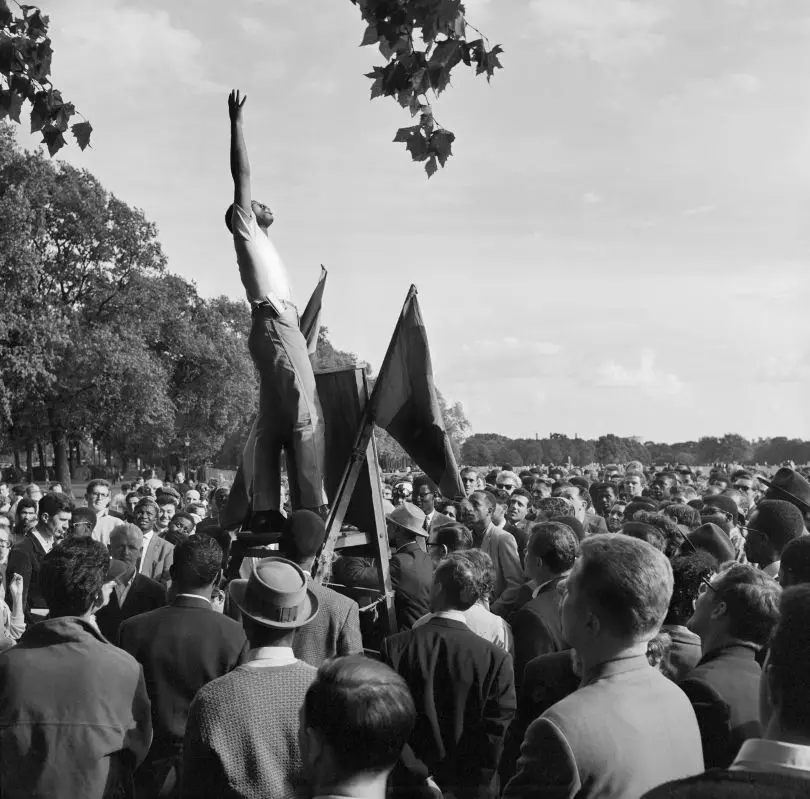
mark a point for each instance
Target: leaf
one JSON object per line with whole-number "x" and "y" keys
{"x": 403, "y": 134}
{"x": 417, "y": 147}
{"x": 441, "y": 143}
{"x": 15, "y": 106}
{"x": 81, "y": 131}
{"x": 54, "y": 139}
{"x": 430, "y": 166}
{"x": 370, "y": 36}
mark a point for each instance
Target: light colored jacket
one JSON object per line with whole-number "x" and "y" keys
{"x": 501, "y": 546}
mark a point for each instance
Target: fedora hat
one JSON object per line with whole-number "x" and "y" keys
{"x": 410, "y": 517}
{"x": 275, "y": 595}
{"x": 713, "y": 540}
{"x": 787, "y": 483}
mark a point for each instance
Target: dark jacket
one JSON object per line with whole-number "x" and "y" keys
{"x": 626, "y": 730}
{"x": 594, "y": 524}
{"x": 720, "y": 784}
{"x": 463, "y": 687}
{"x": 724, "y": 691}
{"x": 74, "y": 714}
{"x": 25, "y": 559}
{"x": 511, "y": 601}
{"x": 143, "y": 595}
{"x": 334, "y": 631}
{"x": 537, "y": 628}
{"x": 411, "y": 578}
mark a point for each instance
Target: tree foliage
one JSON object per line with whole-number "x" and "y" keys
{"x": 25, "y": 77}
{"x": 422, "y": 42}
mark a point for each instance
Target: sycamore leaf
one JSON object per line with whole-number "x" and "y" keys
{"x": 430, "y": 166}
{"x": 403, "y": 134}
{"x": 54, "y": 139}
{"x": 15, "y": 106}
{"x": 417, "y": 147}
{"x": 82, "y": 131}
{"x": 441, "y": 143}
{"x": 370, "y": 36}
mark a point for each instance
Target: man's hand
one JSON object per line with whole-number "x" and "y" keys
{"x": 236, "y": 101}
{"x": 15, "y": 587}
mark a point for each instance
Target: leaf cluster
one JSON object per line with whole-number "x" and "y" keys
{"x": 25, "y": 69}
{"x": 422, "y": 41}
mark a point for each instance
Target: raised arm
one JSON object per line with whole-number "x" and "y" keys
{"x": 240, "y": 166}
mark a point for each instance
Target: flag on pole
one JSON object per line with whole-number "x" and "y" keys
{"x": 310, "y": 322}
{"x": 404, "y": 401}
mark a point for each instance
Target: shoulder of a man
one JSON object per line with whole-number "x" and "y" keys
{"x": 243, "y": 223}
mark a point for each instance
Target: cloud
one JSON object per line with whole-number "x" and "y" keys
{"x": 699, "y": 210}
{"x": 746, "y": 83}
{"x": 591, "y": 198}
{"x": 645, "y": 377}
{"x": 607, "y": 31}
{"x": 122, "y": 46}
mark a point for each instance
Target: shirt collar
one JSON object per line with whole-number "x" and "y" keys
{"x": 451, "y": 615}
{"x": 758, "y": 754}
{"x": 772, "y": 569}
{"x": 44, "y": 542}
{"x": 542, "y": 587}
{"x": 195, "y": 596}
{"x": 265, "y": 656}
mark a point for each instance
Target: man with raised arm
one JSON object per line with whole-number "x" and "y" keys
{"x": 289, "y": 415}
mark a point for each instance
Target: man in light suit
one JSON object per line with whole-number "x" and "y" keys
{"x": 424, "y": 497}
{"x": 156, "y": 560}
{"x": 628, "y": 728}
{"x": 497, "y": 543}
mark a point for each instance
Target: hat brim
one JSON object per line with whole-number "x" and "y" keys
{"x": 309, "y": 606}
{"x": 784, "y": 491}
{"x": 421, "y": 531}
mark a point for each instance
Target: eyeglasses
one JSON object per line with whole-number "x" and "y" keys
{"x": 99, "y": 494}
{"x": 506, "y": 486}
{"x": 705, "y": 585}
{"x": 752, "y": 530}
{"x": 80, "y": 523}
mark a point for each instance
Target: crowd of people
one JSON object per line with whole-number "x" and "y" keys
{"x": 616, "y": 632}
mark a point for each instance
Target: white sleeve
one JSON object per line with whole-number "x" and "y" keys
{"x": 243, "y": 223}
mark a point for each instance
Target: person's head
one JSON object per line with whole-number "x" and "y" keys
{"x": 721, "y": 510}
{"x": 126, "y": 544}
{"x": 403, "y": 492}
{"x": 190, "y": 496}
{"x": 685, "y": 515}
{"x": 5, "y": 493}
{"x": 132, "y": 499}
{"x": 167, "y": 507}
{"x": 500, "y": 499}
{"x": 73, "y": 576}
{"x": 639, "y": 505}
{"x": 477, "y": 510}
{"x": 146, "y": 514}
{"x": 794, "y": 566}
{"x": 469, "y": 480}
{"x": 454, "y": 584}
{"x": 616, "y": 596}
{"x": 738, "y": 604}
{"x": 615, "y": 517}
{"x": 688, "y": 572}
{"x": 784, "y": 704}
{"x": 356, "y": 718}
{"x": 82, "y": 522}
{"x": 56, "y": 488}
{"x": 424, "y": 495}
{"x": 196, "y": 565}
{"x": 264, "y": 219}
{"x": 302, "y": 536}
{"x": 550, "y": 507}
{"x": 539, "y": 489}
{"x": 26, "y": 515}
{"x": 55, "y": 511}
{"x": 6, "y": 539}
{"x": 575, "y": 525}
{"x": 406, "y": 523}
{"x": 632, "y": 485}
{"x": 219, "y": 501}
{"x": 551, "y": 551}
{"x": 673, "y": 537}
{"x": 181, "y": 526}
{"x": 772, "y": 526}
{"x": 485, "y": 578}
{"x": 718, "y": 482}
{"x": 573, "y": 493}
{"x": 33, "y": 491}
{"x": 507, "y": 481}
{"x": 449, "y": 538}
{"x": 98, "y": 496}
{"x": 662, "y": 486}
{"x": 450, "y": 508}
{"x": 644, "y": 531}
{"x": 180, "y": 477}
{"x": 518, "y": 507}
{"x": 603, "y": 495}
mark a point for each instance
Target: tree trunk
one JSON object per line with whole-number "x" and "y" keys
{"x": 78, "y": 453}
{"x": 29, "y": 462}
{"x": 41, "y": 455}
{"x": 17, "y": 464}
{"x": 60, "y": 459}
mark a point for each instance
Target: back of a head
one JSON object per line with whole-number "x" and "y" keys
{"x": 683, "y": 514}
{"x": 781, "y": 521}
{"x": 673, "y": 537}
{"x": 688, "y": 572}
{"x": 628, "y": 584}
{"x": 302, "y": 536}
{"x": 556, "y": 544}
{"x": 363, "y": 710}
{"x": 456, "y": 537}
{"x": 572, "y": 523}
{"x": 795, "y": 563}
{"x": 72, "y": 575}
{"x": 646, "y": 532}
{"x": 53, "y": 504}
{"x": 789, "y": 662}
{"x": 197, "y": 562}
{"x": 85, "y": 515}
{"x": 459, "y": 580}
{"x": 638, "y": 504}
{"x": 484, "y": 572}
{"x": 752, "y": 602}
{"x": 555, "y": 506}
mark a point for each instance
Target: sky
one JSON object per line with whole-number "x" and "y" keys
{"x": 618, "y": 244}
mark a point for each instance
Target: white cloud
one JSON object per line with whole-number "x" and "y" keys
{"x": 602, "y": 30}
{"x": 591, "y": 198}
{"x": 746, "y": 83}
{"x": 645, "y": 377}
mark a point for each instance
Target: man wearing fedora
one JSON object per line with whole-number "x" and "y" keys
{"x": 788, "y": 485}
{"x": 242, "y": 734}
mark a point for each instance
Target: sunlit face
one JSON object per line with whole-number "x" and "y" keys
{"x": 33, "y": 492}
{"x": 126, "y": 547}
{"x": 4, "y": 492}
{"x": 28, "y": 517}
{"x": 387, "y": 492}
{"x": 469, "y": 480}
{"x": 632, "y": 486}
{"x": 165, "y": 513}
{"x": 146, "y": 517}
{"x": 450, "y": 511}
{"x": 507, "y": 484}
{"x": 263, "y": 214}
{"x": 98, "y": 499}
{"x": 476, "y": 511}
{"x": 5, "y": 541}
{"x": 615, "y": 518}
{"x": 59, "y": 524}
{"x": 517, "y": 509}
{"x": 573, "y": 496}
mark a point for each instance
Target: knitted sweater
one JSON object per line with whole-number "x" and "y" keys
{"x": 242, "y": 734}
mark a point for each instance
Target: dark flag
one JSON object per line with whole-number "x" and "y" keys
{"x": 404, "y": 401}
{"x": 310, "y": 322}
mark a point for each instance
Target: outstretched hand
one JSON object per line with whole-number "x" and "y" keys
{"x": 236, "y": 101}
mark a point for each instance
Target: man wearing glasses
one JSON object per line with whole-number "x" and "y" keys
{"x": 424, "y": 495}
{"x": 507, "y": 481}
{"x": 98, "y": 500}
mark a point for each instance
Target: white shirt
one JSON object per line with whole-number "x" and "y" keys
{"x": 772, "y": 569}
{"x": 758, "y": 754}
{"x": 263, "y": 273}
{"x": 104, "y": 526}
{"x": 480, "y": 621}
{"x": 147, "y": 537}
{"x": 265, "y": 656}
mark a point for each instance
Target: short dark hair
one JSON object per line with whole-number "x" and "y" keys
{"x": 673, "y": 537}
{"x": 469, "y": 470}
{"x": 521, "y": 492}
{"x": 229, "y": 217}
{"x": 789, "y": 659}
{"x": 23, "y": 504}
{"x": 688, "y": 572}
{"x": 53, "y": 504}
{"x": 752, "y": 602}
{"x": 458, "y": 579}
{"x": 456, "y": 537}
{"x": 556, "y": 544}
{"x": 302, "y": 535}
{"x": 197, "y": 561}
{"x": 96, "y": 483}
{"x": 571, "y": 522}
{"x": 796, "y": 559}
{"x": 72, "y": 575}
{"x": 488, "y": 496}
{"x": 627, "y": 583}
{"x": 683, "y": 514}
{"x": 500, "y": 497}
{"x": 165, "y": 498}
{"x": 642, "y": 531}
{"x": 484, "y": 572}
{"x": 597, "y": 488}
{"x": 85, "y": 514}
{"x": 554, "y": 506}
{"x": 364, "y": 710}
{"x": 781, "y": 521}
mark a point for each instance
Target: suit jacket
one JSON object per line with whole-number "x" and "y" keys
{"x": 181, "y": 647}
{"x": 502, "y": 548}
{"x": 594, "y": 524}
{"x": 625, "y": 731}
{"x": 411, "y": 578}
{"x": 512, "y": 600}
{"x": 546, "y": 680}
{"x": 157, "y": 559}
{"x": 520, "y": 532}
{"x": 26, "y": 559}
{"x": 335, "y": 631}
{"x": 537, "y": 627}
{"x": 464, "y": 691}
{"x": 724, "y": 691}
{"x": 720, "y": 784}
{"x": 144, "y": 595}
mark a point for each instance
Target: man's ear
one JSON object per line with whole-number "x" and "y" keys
{"x": 720, "y": 609}
{"x": 43, "y": 517}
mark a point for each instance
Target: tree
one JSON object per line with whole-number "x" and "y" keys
{"x": 25, "y": 76}
{"x": 412, "y": 72}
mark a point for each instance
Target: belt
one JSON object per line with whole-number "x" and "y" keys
{"x": 265, "y": 307}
